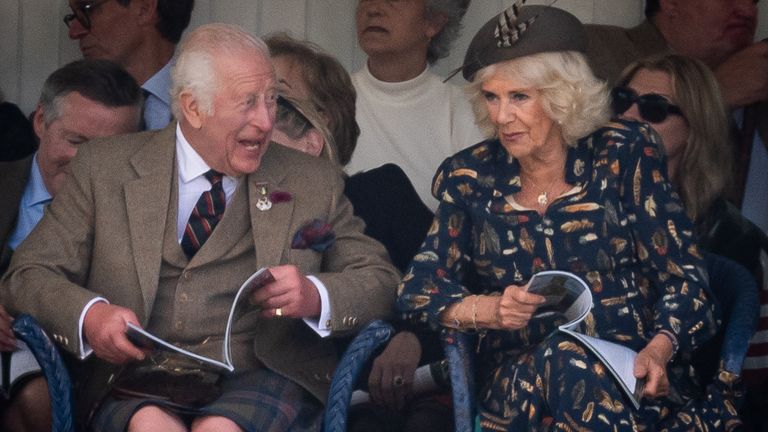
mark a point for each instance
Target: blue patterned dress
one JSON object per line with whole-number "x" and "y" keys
{"x": 621, "y": 228}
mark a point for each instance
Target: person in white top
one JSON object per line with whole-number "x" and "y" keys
{"x": 407, "y": 115}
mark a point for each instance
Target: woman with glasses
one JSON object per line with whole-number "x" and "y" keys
{"x": 680, "y": 98}
{"x": 558, "y": 186}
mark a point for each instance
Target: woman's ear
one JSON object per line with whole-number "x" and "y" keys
{"x": 435, "y": 24}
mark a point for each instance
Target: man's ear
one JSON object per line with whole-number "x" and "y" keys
{"x": 146, "y": 11}
{"x": 190, "y": 110}
{"x": 38, "y": 123}
{"x": 314, "y": 142}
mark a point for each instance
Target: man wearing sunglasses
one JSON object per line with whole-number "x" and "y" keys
{"x": 721, "y": 34}
{"x": 140, "y": 35}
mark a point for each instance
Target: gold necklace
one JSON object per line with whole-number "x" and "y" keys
{"x": 543, "y": 197}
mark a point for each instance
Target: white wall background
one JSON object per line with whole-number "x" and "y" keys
{"x": 33, "y": 38}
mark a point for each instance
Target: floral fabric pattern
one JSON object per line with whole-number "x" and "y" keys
{"x": 621, "y": 228}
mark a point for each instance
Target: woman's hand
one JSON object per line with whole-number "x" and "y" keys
{"x": 391, "y": 377}
{"x": 651, "y": 365}
{"x": 516, "y": 307}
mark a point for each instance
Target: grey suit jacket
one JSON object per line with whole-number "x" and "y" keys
{"x": 13, "y": 179}
{"x": 103, "y": 234}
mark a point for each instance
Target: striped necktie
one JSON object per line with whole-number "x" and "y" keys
{"x": 206, "y": 214}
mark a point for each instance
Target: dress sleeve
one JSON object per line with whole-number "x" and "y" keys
{"x": 432, "y": 281}
{"x": 665, "y": 244}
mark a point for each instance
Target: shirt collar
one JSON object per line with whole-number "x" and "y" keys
{"x": 35, "y": 192}
{"x": 191, "y": 164}
{"x": 160, "y": 83}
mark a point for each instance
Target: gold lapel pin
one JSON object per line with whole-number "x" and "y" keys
{"x": 263, "y": 203}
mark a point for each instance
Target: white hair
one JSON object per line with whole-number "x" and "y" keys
{"x": 572, "y": 96}
{"x": 194, "y": 70}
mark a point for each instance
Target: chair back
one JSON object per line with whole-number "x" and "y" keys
{"x": 351, "y": 364}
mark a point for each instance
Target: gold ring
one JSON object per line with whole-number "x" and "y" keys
{"x": 279, "y": 312}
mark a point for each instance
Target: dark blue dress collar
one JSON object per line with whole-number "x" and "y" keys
{"x": 578, "y": 169}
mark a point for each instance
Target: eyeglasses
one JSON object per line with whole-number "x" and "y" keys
{"x": 82, "y": 13}
{"x": 290, "y": 120}
{"x": 653, "y": 108}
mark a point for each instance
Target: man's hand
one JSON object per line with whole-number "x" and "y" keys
{"x": 743, "y": 76}
{"x": 7, "y": 339}
{"x": 391, "y": 378}
{"x": 104, "y": 328}
{"x": 651, "y": 365}
{"x": 290, "y": 295}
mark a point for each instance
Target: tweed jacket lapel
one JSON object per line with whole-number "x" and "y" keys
{"x": 12, "y": 183}
{"x": 147, "y": 198}
{"x": 270, "y": 227}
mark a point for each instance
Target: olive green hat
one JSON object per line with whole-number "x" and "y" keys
{"x": 520, "y": 31}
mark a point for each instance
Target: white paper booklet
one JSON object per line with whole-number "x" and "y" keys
{"x": 145, "y": 340}
{"x": 570, "y": 296}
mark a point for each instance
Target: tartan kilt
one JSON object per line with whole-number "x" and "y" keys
{"x": 257, "y": 401}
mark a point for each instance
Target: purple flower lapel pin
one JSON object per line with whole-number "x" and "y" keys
{"x": 267, "y": 198}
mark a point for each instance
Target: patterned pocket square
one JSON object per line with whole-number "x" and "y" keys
{"x": 316, "y": 234}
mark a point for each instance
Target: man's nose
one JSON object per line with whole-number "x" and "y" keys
{"x": 371, "y": 7}
{"x": 76, "y": 30}
{"x": 262, "y": 117}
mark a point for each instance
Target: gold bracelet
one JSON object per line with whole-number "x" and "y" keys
{"x": 456, "y": 322}
{"x": 474, "y": 312}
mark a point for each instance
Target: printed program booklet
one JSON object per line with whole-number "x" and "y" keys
{"x": 145, "y": 340}
{"x": 569, "y": 295}
{"x": 15, "y": 367}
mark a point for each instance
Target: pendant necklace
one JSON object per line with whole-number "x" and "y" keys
{"x": 543, "y": 197}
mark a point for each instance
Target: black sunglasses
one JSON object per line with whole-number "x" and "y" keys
{"x": 82, "y": 13}
{"x": 653, "y": 108}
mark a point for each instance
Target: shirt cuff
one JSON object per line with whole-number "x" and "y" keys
{"x": 85, "y": 348}
{"x": 322, "y": 325}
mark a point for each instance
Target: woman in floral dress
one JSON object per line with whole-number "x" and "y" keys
{"x": 558, "y": 186}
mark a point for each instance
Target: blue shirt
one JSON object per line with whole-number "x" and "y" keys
{"x": 755, "y": 205}
{"x": 33, "y": 202}
{"x": 157, "y": 106}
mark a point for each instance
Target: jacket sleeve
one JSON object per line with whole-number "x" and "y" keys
{"x": 432, "y": 281}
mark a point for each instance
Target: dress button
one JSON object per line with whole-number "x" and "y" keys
{"x": 179, "y": 325}
{"x": 187, "y": 275}
{"x": 184, "y": 297}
